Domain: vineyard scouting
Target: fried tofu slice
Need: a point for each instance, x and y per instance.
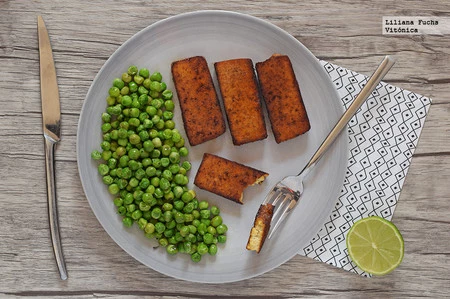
(226, 178)
(283, 99)
(200, 108)
(261, 227)
(241, 98)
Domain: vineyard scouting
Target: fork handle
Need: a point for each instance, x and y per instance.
(373, 81)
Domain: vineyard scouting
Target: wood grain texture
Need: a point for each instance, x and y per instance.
(85, 33)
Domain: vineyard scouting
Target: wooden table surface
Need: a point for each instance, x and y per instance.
(85, 33)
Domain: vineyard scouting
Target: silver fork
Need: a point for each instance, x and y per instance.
(287, 192)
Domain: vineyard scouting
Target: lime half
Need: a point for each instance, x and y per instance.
(375, 245)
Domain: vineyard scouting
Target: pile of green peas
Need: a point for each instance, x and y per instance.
(143, 164)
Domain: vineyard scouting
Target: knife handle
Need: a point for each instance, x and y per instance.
(52, 208)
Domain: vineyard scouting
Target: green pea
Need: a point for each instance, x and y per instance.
(188, 196)
(132, 70)
(202, 205)
(127, 221)
(168, 233)
(136, 214)
(155, 161)
(222, 238)
(126, 77)
(221, 229)
(146, 162)
(216, 221)
(188, 208)
(106, 117)
(171, 224)
(155, 181)
(125, 90)
(167, 216)
(103, 169)
(142, 222)
(118, 202)
(163, 242)
(121, 210)
(108, 180)
(178, 179)
(180, 143)
(126, 101)
(142, 91)
(157, 142)
(134, 154)
(117, 82)
(167, 95)
(201, 229)
(183, 151)
(147, 197)
(146, 83)
(179, 217)
(149, 228)
(196, 257)
(138, 79)
(144, 72)
(128, 199)
(156, 76)
(96, 155)
(114, 92)
(151, 110)
(212, 249)
(184, 231)
(196, 213)
(131, 208)
(208, 238)
(167, 115)
(205, 221)
(144, 183)
(202, 248)
(156, 213)
(144, 206)
(133, 86)
(160, 227)
(126, 173)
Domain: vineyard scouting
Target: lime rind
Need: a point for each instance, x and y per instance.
(375, 245)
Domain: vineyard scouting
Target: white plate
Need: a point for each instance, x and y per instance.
(221, 35)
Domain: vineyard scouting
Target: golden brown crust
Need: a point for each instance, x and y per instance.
(261, 227)
(226, 178)
(202, 116)
(282, 96)
(241, 99)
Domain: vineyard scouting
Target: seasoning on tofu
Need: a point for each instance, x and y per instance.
(261, 227)
(282, 96)
(239, 89)
(200, 108)
(226, 178)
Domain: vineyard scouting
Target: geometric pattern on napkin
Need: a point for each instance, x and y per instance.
(383, 135)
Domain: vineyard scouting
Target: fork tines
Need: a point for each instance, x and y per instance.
(283, 201)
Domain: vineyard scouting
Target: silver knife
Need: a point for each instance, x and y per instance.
(51, 122)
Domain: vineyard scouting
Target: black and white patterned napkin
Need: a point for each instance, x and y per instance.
(382, 138)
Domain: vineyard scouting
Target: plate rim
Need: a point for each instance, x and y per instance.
(179, 17)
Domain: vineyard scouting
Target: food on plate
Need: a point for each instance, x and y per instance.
(226, 178)
(241, 99)
(143, 163)
(261, 227)
(202, 115)
(281, 93)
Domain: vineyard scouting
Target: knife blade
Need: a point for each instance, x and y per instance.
(51, 124)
